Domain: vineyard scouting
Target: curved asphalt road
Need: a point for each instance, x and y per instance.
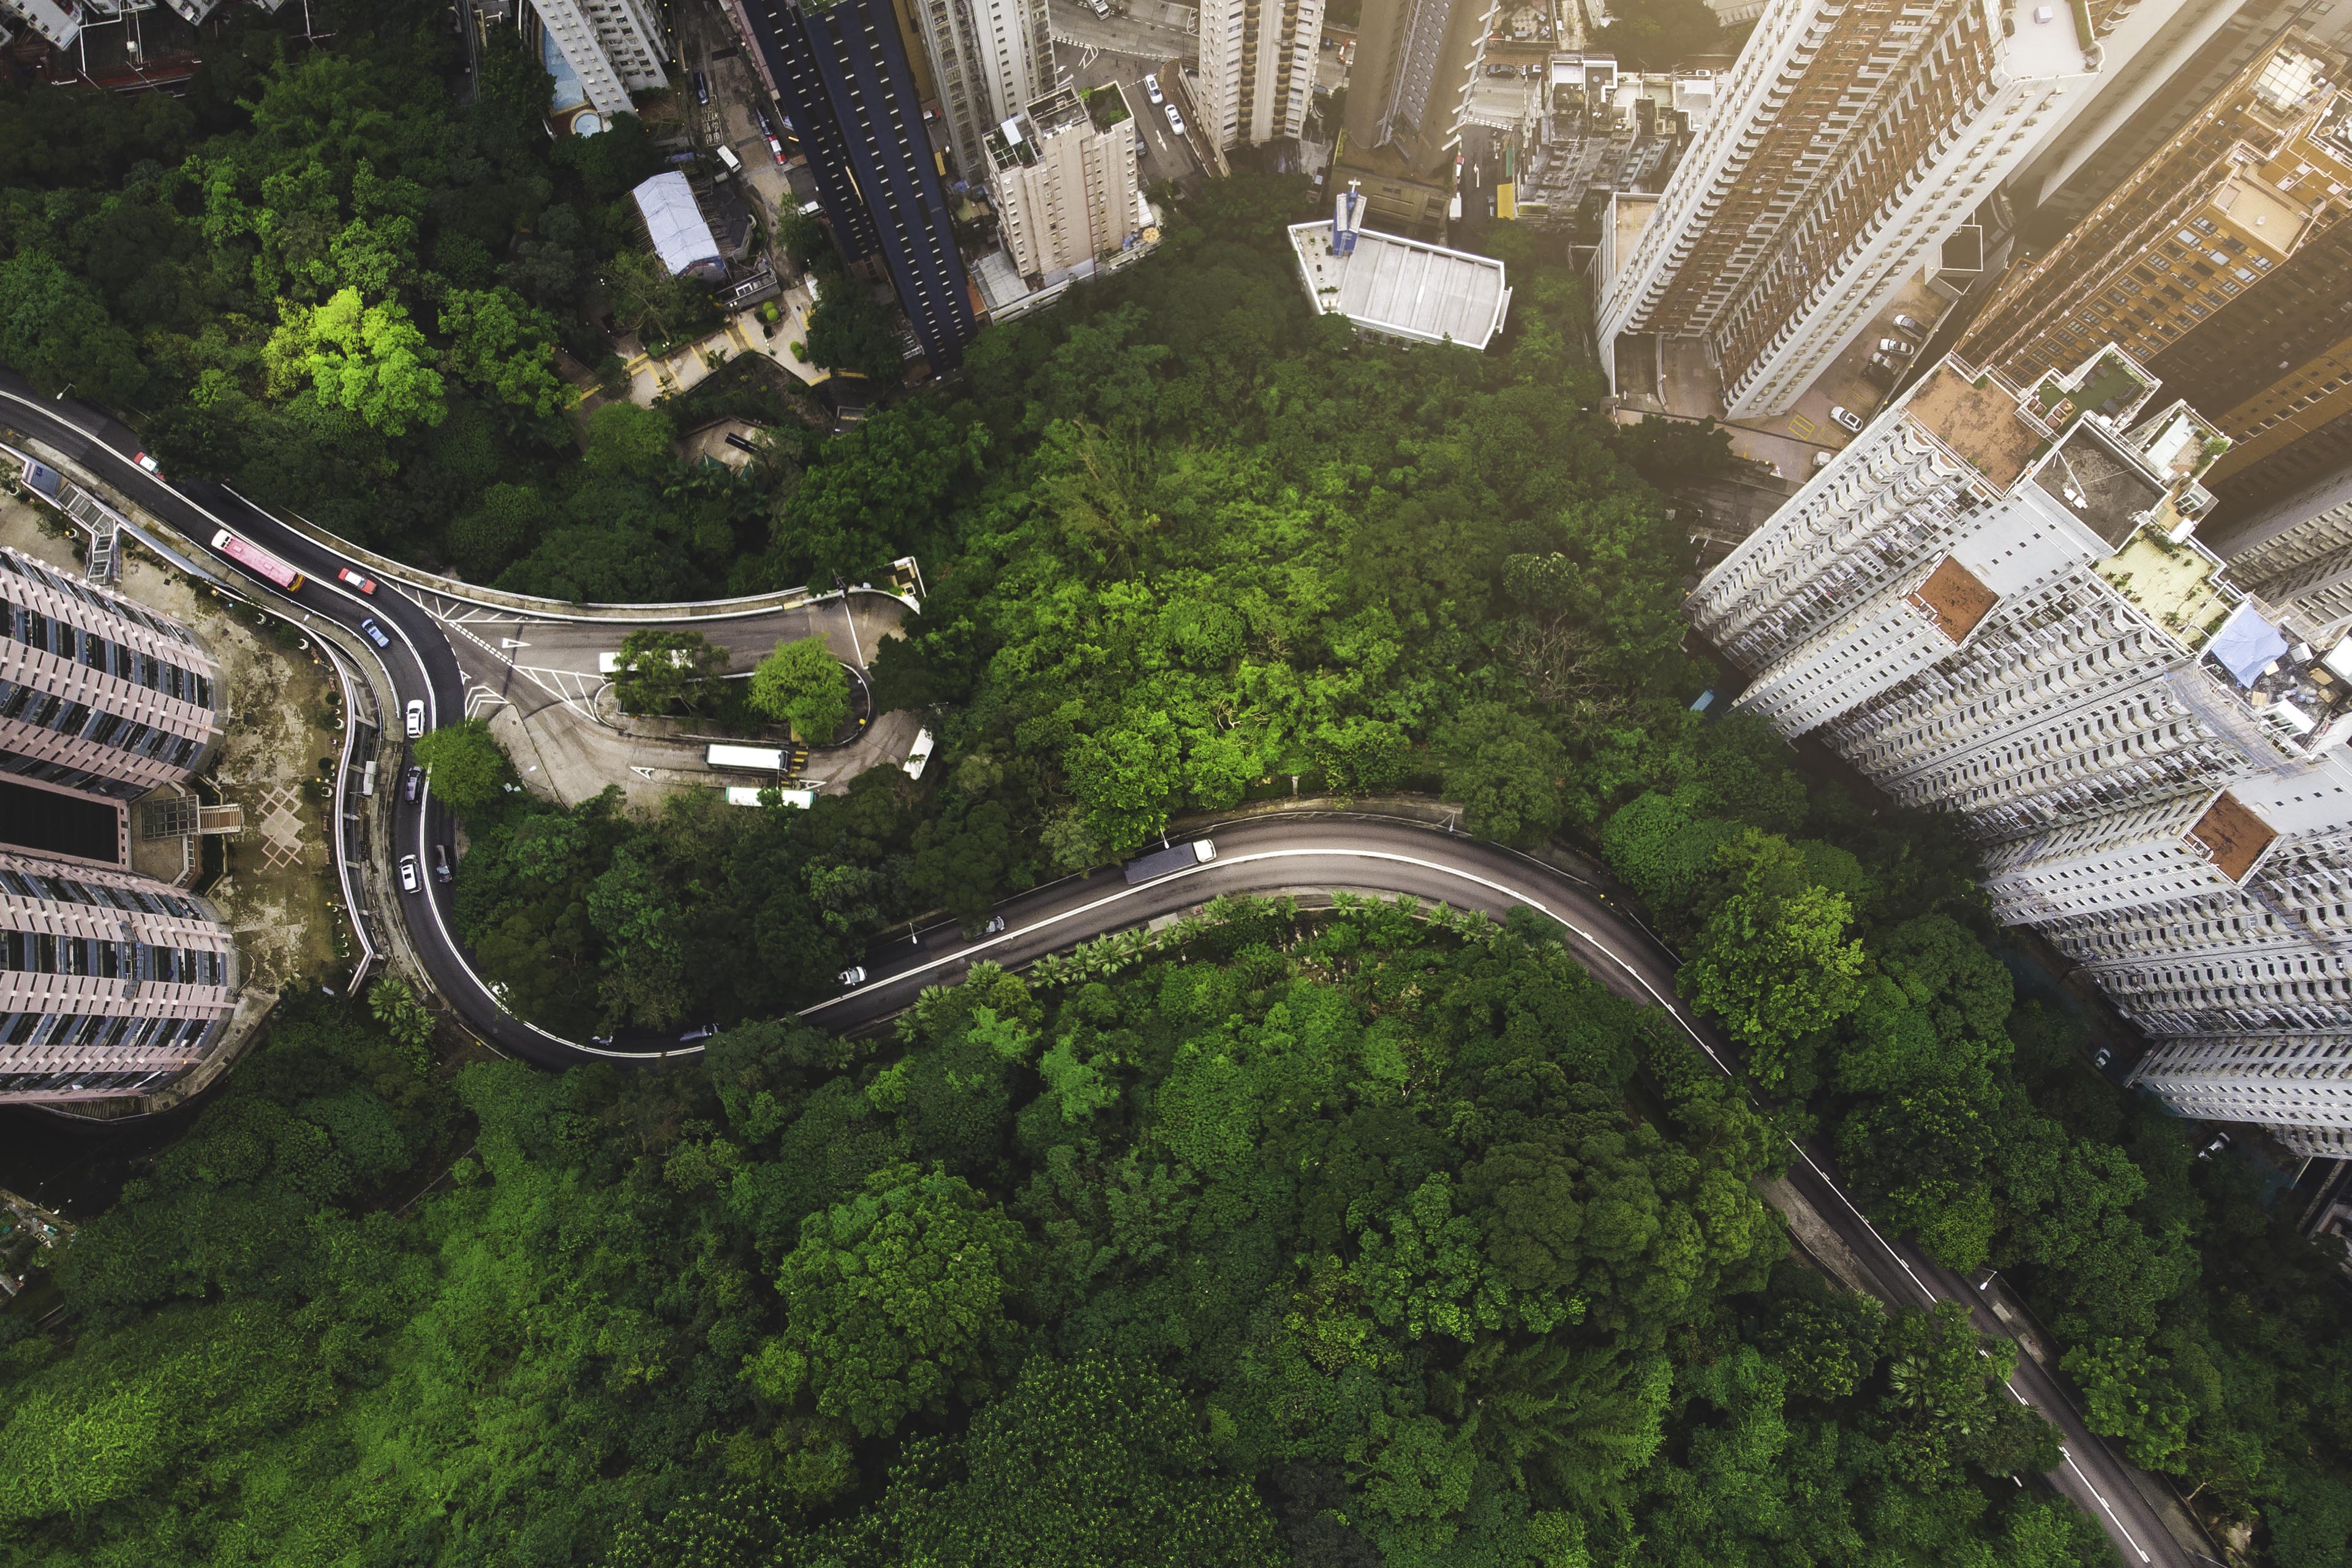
(1266, 856)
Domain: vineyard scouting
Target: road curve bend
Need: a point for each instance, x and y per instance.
(1268, 855)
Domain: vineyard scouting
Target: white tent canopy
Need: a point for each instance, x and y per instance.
(681, 238)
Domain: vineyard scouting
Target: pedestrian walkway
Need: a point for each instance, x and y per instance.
(653, 378)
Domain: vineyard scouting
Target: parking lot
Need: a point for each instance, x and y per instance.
(1846, 383)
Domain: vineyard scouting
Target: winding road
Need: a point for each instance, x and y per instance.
(1300, 853)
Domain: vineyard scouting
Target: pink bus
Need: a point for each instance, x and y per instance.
(255, 559)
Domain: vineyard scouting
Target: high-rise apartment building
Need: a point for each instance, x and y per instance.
(1065, 188)
(1992, 603)
(615, 46)
(1415, 63)
(2295, 555)
(100, 696)
(2196, 235)
(1257, 68)
(110, 984)
(1853, 139)
(59, 23)
(989, 60)
(842, 74)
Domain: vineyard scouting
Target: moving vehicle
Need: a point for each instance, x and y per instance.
(1152, 86)
(408, 878)
(854, 976)
(995, 924)
(698, 1034)
(745, 759)
(1896, 346)
(375, 634)
(1845, 419)
(364, 584)
(148, 463)
(257, 560)
(411, 785)
(415, 716)
(1175, 120)
(1175, 857)
(441, 872)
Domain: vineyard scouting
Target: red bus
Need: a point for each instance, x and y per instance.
(255, 559)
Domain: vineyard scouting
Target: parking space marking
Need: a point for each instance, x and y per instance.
(1802, 427)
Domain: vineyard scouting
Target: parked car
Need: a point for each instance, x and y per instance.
(411, 785)
(2101, 1057)
(1845, 419)
(1152, 86)
(1905, 324)
(375, 634)
(852, 976)
(2220, 1142)
(1175, 120)
(701, 87)
(408, 878)
(1897, 347)
(364, 584)
(775, 147)
(1879, 373)
(415, 715)
(441, 871)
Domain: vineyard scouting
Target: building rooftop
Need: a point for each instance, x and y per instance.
(2234, 837)
(1978, 421)
(1403, 288)
(2174, 583)
(2110, 492)
(1953, 598)
(675, 224)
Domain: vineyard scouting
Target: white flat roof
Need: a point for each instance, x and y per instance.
(1403, 288)
(681, 238)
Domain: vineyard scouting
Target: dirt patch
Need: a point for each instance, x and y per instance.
(283, 714)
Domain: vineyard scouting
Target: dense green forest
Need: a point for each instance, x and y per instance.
(1338, 1241)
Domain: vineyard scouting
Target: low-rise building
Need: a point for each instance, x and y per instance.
(1397, 288)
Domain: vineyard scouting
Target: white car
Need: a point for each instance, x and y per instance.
(415, 713)
(854, 976)
(1151, 90)
(1175, 120)
(408, 879)
(1845, 419)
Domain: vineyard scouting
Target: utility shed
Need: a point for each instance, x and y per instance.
(1403, 287)
(675, 224)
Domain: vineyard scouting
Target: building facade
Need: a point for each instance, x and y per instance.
(1993, 603)
(615, 46)
(1853, 139)
(842, 75)
(1257, 69)
(100, 696)
(110, 984)
(1415, 63)
(989, 60)
(2295, 555)
(1065, 189)
(2191, 241)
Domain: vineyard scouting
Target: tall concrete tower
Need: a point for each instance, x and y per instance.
(615, 46)
(1257, 68)
(1853, 139)
(989, 59)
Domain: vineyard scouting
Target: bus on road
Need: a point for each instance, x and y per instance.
(258, 561)
(745, 759)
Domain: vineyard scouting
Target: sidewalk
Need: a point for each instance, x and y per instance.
(651, 379)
